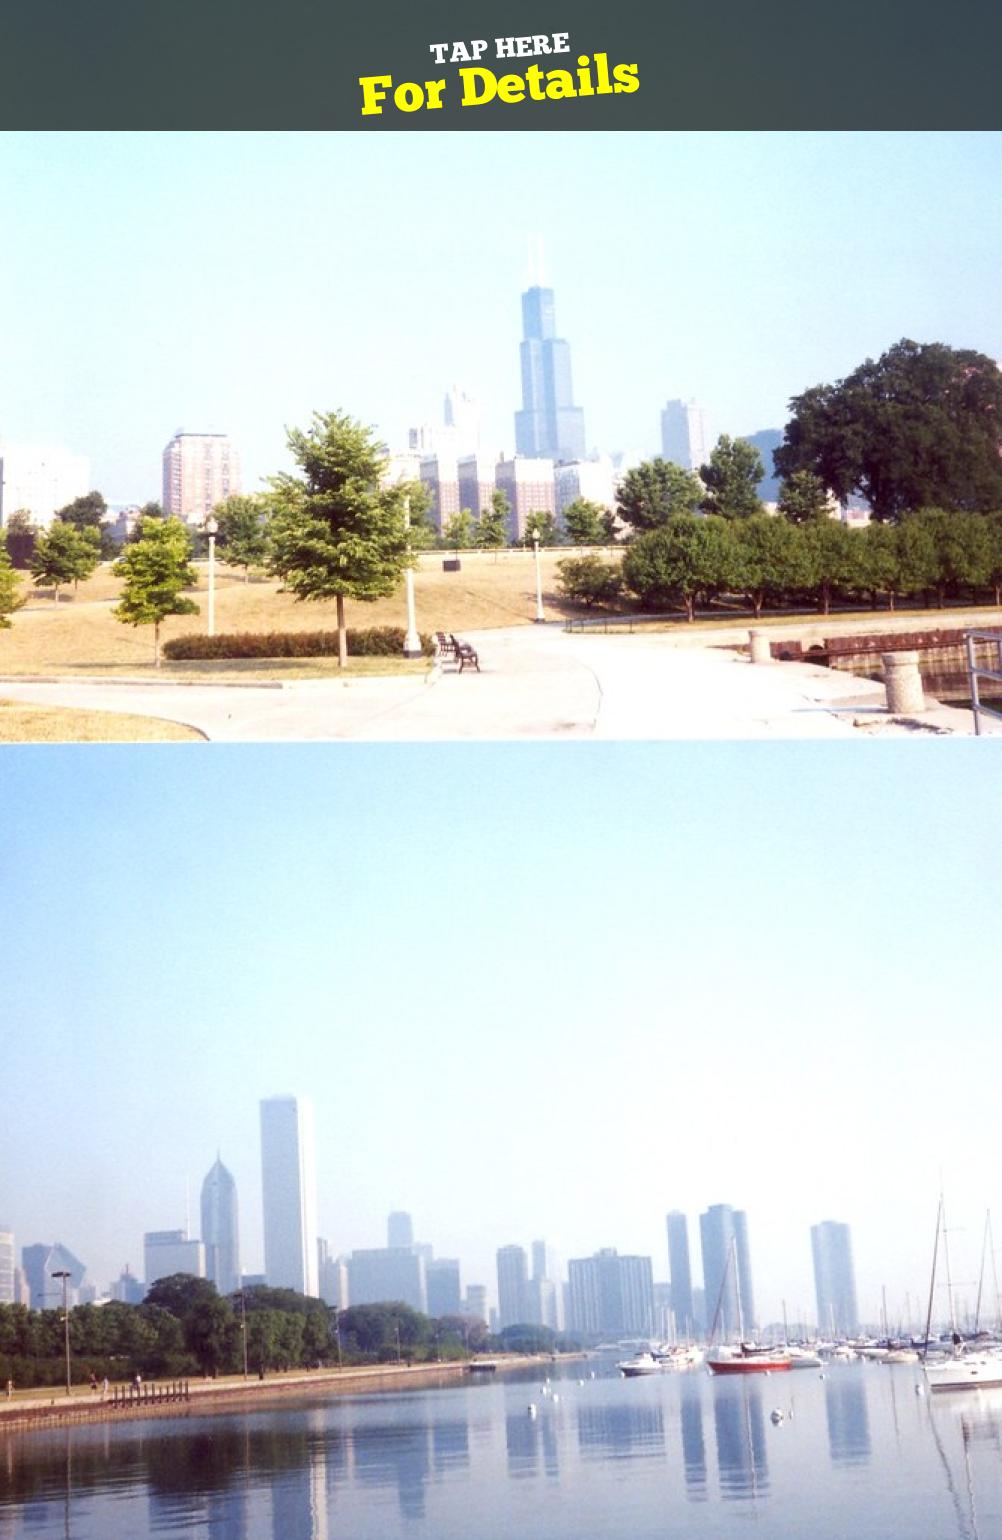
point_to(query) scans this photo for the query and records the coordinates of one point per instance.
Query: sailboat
(966, 1367)
(742, 1357)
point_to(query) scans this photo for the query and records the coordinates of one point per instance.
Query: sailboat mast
(981, 1278)
(932, 1279)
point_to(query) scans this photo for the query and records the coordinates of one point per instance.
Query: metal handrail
(975, 673)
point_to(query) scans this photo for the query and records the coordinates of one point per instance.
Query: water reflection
(740, 1428)
(388, 1455)
(848, 1422)
(620, 1431)
(532, 1442)
(693, 1444)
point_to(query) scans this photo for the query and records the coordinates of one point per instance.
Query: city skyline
(766, 868)
(750, 308)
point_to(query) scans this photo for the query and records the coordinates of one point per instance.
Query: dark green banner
(555, 64)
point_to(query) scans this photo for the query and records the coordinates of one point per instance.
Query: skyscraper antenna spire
(537, 262)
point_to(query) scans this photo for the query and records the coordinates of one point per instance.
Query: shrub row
(376, 642)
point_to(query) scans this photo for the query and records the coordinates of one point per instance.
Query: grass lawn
(56, 724)
(79, 634)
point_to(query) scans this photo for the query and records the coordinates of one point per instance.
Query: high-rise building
(513, 1281)
(289, 1193)
(462, 414)
(680, 1273)
(199, 471)
(610, 1294)
(475, 1302)
(39, 478)
(387, 1273)
(444, 1291)
(166, 1252)
(549, 425)
(529, 487)
(40, 1262)
(834, 1278)
(595, 480)
(220, 1229)
(332, 1275)
(440, 475)
(8, 1267)
(545, 1295)
(399, 1229)
(127, 1289)
(727, 1281)
(685, 434)
(476, 482)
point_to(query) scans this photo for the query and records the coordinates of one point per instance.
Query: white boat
(679, 1357)
(964, 1370)
(804, 1358)
(640, 1363)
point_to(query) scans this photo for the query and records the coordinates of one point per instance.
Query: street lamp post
(212, 529)
(412, 642)
(65, 1276)
(539, 577)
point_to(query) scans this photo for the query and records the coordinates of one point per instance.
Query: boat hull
(965, 1373)
(749, 1365)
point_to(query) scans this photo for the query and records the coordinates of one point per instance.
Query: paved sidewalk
(536, 682)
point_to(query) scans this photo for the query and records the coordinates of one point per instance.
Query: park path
(536, 682)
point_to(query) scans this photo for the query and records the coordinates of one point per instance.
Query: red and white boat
(748, 1358)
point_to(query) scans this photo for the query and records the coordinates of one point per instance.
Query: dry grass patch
(80, 634)
(63, 724)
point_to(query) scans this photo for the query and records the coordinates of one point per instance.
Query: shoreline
(48, 1409)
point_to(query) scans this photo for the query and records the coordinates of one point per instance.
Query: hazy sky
(534, 991)
(238, 282)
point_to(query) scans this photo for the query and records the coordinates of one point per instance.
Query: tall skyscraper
(685, 434)
(387, 1273)
(8, 1266)
(399, 1229)
(39, 1263)
(727, 1280)
(834, 1278)
(289, 1193)
(513, 1285)
(444, 1289)
(220, 1229)
(529, 487)
(549, 425)
(39, 478)
(199, 471)
(680, 1273)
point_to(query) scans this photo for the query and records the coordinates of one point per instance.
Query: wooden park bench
(445, 645)
(465, 653)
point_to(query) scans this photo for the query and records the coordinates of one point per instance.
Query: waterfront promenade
(536, 682)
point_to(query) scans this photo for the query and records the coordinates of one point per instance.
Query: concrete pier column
(903, 683)
(758, 647)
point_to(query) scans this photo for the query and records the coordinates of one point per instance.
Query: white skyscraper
(39, 478)
(685, 434)
(289, 1193)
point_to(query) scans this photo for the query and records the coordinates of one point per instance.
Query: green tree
(337, 532)
(803, 498)
(85, 512)
(993, 529)
(584, 523)
(918, 561)
(769, 559)
(544, 526)
(458, 531)
(963, 549)
(20, 536)
(917, 428)
(832, 562)
(731, 479)
(589, 580)
(421, 531)
(154, 571)
(654, 492)
(10, 593)
(688, 557)
(494, 522)
(64, 554)
(880, 564)
(242, 539)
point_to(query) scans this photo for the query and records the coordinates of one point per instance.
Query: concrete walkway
(536, 682)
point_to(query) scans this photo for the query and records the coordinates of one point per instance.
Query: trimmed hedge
(376, 642)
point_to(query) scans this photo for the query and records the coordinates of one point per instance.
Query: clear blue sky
(237, 282)
(534, 991)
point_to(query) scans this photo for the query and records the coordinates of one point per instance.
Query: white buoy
(776, 1415)
(532, 1408)
(554, 1395)
(920, 1390)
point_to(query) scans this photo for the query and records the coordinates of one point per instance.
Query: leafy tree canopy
(654, 492)
(589, 580)
(921, 426)
(84, 512)
(804, 498)
(686, 557)
(64, 554)
(242, 536)
(731, 479)
(155, 570)
(10, 596)
(494, 522)
(585, 523)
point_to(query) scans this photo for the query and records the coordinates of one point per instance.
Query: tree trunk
(342, 634)
(156, 644)
(890, 600)
(690, 607)
(998, 593)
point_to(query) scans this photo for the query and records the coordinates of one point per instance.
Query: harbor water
(855, 1450)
